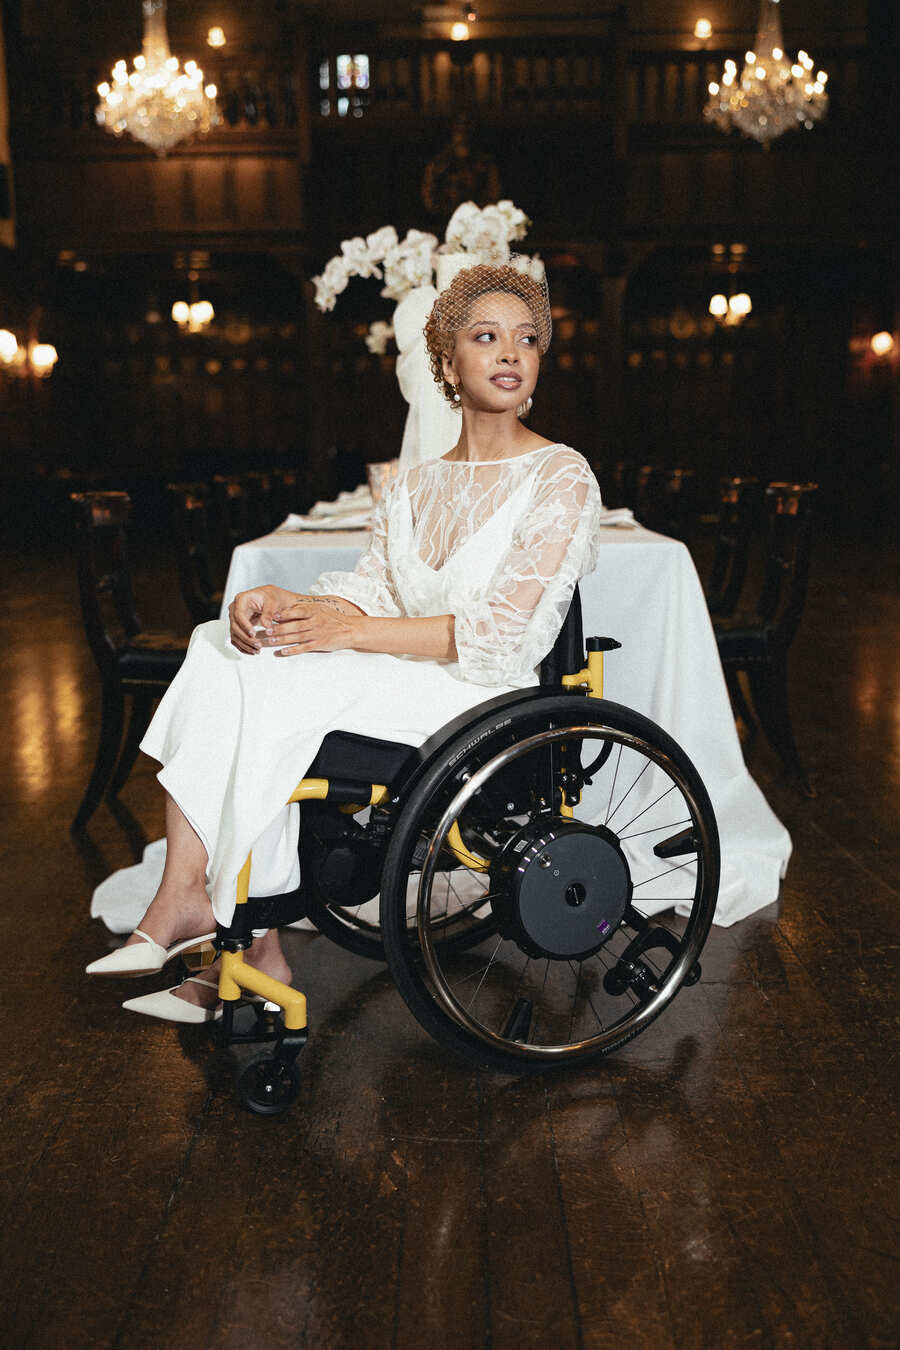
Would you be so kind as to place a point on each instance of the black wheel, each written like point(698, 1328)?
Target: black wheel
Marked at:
point(267, 1085)
point(588, 837)
point(357, 926)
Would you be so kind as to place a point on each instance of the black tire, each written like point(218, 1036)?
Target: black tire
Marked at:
point(626, 956)
point(267, 1086)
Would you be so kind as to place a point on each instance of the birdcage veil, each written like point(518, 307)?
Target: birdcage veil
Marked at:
point(464, 283)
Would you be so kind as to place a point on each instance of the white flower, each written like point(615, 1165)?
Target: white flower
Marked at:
point(379, 335)
point(461, 223)
point(516, 220)
point(325, 296)
point(356, 258)
point(409, 264)
point(381, 242)
point(336, 275)
point(532, 267)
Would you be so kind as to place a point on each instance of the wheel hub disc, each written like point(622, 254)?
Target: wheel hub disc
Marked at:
point(562, 888)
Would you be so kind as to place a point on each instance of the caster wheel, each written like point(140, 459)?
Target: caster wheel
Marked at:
point(267, 1086)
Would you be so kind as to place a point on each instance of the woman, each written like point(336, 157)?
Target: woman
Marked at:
point(461, 593)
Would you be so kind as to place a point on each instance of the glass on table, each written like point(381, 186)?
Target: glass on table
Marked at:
point(380, 476)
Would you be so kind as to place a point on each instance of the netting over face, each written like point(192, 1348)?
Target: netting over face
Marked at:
point(453, 308)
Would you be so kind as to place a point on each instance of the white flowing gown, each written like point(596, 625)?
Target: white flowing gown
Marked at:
point(500, 545)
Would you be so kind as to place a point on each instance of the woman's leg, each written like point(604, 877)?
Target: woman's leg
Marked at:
point(181, 906)
point(181, 909)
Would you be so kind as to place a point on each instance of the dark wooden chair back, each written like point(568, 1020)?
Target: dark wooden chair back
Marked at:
point(790, 509)
point(230, 514)
point(262, 490)
point(740, 503)
point(195, 555)
point(104, 579)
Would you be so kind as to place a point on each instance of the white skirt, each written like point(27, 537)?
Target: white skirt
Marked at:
point(235, 734)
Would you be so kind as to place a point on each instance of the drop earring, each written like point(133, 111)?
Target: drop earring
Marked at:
point(525, 408)
point(455, 393)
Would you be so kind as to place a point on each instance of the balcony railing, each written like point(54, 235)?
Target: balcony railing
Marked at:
point(562, 77)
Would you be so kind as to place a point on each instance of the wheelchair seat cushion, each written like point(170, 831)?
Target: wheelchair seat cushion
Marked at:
point(345, 754)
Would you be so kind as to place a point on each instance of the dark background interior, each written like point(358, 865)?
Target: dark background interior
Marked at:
point(593, 121)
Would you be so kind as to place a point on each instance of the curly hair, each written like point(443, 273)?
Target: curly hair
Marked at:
point(454, 305)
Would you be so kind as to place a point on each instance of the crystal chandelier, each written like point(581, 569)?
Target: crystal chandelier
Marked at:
point(772, 94)
point(157, 103)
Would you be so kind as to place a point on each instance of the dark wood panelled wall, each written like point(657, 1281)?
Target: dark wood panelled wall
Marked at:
point(591, 121)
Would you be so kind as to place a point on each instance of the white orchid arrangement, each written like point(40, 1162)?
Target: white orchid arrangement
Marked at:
point(405, 264)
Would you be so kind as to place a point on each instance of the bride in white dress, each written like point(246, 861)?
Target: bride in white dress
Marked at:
point(460, 595)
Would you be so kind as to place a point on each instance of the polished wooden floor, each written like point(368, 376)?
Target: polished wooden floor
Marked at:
point(726, 1181)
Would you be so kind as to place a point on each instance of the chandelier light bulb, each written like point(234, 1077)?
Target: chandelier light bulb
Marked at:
point(201, 313)
point(9, 346)
point(881, 343)
point(181, 311)
point(216, 37)
point(703, 29)
point(43, 356)
point(718, 306)
point(740, 304)
point(459, 32)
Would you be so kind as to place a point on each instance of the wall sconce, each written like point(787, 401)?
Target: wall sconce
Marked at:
point(703, 30)
point(730, 310)
point(216, 37)
point(38, 358)
point(882, 344)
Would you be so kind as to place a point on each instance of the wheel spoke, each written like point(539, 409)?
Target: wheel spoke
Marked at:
point(487, 970)
point(613, 785)
point(691, 862)
point(630, 822)
point(622, 800)
point(654, 829)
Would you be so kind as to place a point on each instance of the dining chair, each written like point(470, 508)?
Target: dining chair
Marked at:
point(740, 512)
point(230, 513)
point(134, 663)
point(759, 644)
point(664, 500)
point(195, 556)
point(288, 494)
point(262, 489)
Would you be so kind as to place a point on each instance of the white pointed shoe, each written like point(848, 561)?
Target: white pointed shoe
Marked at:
point(168, 1008)
point(142, 958)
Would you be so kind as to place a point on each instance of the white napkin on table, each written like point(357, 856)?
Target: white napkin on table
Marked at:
point(344, 520)
point(622, 516)
point(359, 499)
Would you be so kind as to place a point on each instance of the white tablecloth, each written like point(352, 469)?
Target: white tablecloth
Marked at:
point(646, 593)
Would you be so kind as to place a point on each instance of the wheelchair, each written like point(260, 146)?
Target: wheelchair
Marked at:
point(547, 867)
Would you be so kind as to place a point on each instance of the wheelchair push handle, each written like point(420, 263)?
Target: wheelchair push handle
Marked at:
point(591, 676)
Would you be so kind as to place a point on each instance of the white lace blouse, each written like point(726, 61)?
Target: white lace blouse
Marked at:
point(498, 544)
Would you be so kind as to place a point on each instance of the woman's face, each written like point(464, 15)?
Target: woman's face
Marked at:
point(495, 360)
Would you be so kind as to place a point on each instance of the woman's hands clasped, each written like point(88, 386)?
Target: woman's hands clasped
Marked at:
point(268, 616)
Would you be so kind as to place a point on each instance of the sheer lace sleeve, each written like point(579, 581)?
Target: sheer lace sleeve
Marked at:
point(369, 585)
point(504, 634)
